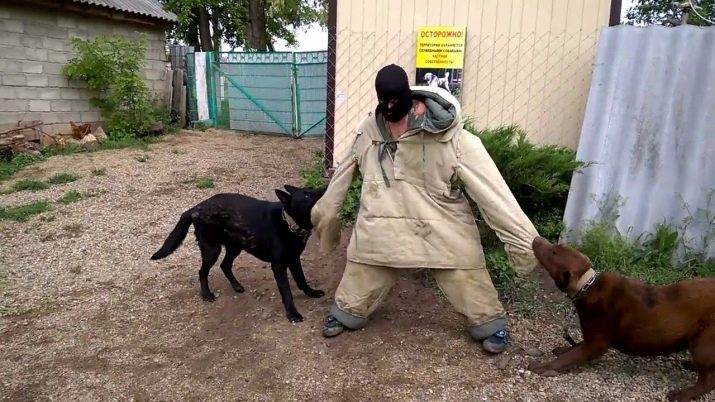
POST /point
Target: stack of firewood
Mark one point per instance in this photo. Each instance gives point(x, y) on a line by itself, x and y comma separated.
point(20, 137)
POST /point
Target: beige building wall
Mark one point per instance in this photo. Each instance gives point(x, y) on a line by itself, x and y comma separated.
point(527, 62)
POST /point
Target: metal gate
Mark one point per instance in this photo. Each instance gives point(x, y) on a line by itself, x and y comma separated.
point(260, 92)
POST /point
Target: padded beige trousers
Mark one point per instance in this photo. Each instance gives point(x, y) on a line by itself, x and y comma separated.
point(470, 291)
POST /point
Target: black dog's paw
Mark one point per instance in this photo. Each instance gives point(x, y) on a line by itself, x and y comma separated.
point(314, 293)
point(238, 288)
point(209, 297)
point(295, 317)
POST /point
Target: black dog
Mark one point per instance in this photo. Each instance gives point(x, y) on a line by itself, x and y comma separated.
point(274, 232)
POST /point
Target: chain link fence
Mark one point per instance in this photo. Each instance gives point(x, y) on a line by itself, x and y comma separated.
point(259, 92)
point(538, 81)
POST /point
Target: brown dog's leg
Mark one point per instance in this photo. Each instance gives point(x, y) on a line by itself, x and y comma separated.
point(561, 350)
point(579, 354)
point(705, 384)
point(702, 348)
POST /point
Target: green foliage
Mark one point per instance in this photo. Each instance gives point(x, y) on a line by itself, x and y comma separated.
point(62, 178)
point(539, 176)
point(665, 12)
point(30, 185)
point(351, 206)
point(24, 212)
point(204, 183)
point(549, 223)
point(9, 167)
point(71, 197)
point(499, 268)
point(228, 21)
point(651, 260)
point(314, 177)
point(313, 173)
point(111, 66)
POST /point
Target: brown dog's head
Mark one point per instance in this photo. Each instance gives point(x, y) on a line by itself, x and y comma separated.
point(564, 264)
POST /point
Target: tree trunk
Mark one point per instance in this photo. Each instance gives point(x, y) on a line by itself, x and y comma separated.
point(256, 35)
point(192, 36)
point(204, 31)
point(217, 31)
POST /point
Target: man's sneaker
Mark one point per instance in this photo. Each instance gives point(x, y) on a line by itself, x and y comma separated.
point(332, 327)
point(497, 342)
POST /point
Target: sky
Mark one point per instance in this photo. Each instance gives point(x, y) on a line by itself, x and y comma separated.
point(316, 38)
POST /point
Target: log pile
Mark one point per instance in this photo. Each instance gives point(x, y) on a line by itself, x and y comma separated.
point(28, 137)
point(20, 137)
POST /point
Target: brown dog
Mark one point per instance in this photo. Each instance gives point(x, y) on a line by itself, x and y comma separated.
point(632, 317)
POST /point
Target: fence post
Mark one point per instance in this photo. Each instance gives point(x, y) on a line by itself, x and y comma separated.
point(296, 100)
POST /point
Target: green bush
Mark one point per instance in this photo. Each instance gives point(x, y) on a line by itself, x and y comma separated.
point(314, 177)
point(539, 176)
point(111, 65)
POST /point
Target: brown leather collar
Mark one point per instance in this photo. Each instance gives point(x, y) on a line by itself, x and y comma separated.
point(294, 227)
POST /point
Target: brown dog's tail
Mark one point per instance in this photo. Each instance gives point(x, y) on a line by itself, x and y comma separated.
point(176, 237)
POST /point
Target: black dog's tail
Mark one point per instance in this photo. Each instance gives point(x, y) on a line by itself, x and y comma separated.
point(175, 237)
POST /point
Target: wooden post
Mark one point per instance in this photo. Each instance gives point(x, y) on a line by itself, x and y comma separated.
point(169, 89)
point(178, 82)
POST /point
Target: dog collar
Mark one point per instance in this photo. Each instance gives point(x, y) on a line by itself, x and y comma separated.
point(584, 283)
point(294, 227)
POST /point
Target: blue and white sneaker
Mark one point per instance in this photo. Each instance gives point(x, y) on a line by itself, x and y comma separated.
point(332, 327)
point(497, 342)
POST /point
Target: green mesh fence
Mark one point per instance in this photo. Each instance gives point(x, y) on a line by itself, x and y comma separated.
point(266, 92)
point(310, 72)
point(191, 108)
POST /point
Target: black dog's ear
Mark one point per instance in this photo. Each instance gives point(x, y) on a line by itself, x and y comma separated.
point(291, 189)
point(283, 197)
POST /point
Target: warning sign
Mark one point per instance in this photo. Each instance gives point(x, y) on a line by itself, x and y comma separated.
point(440, 57)
point(440, 47)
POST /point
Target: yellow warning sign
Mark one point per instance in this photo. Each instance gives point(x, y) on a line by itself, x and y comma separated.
point(440, 47)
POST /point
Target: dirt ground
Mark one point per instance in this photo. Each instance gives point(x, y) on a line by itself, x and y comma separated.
point(87, 315)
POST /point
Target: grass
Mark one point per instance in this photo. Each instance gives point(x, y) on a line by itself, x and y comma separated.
point(653, 259)
point(62, 178)
point(30, 185)
point(99, 172)
point(19, 162)
point(71, 197)
point(204, 183)
point(36, 185)
point(8, 168)
point(24, 212)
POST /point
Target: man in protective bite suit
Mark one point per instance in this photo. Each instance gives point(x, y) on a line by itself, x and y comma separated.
point(413, 153)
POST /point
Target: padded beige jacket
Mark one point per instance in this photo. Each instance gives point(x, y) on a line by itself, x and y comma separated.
point(410, 214)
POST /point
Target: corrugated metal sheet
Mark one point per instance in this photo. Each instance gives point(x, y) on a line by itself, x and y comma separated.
point(149, 8)
point(650, 127)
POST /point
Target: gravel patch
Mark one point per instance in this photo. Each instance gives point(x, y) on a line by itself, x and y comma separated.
point(87, 316)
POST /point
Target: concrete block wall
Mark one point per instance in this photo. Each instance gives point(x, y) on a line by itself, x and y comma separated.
point(34, 47)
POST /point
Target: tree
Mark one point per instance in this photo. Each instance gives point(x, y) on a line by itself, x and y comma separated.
point(250, 24)
point(670, 13)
